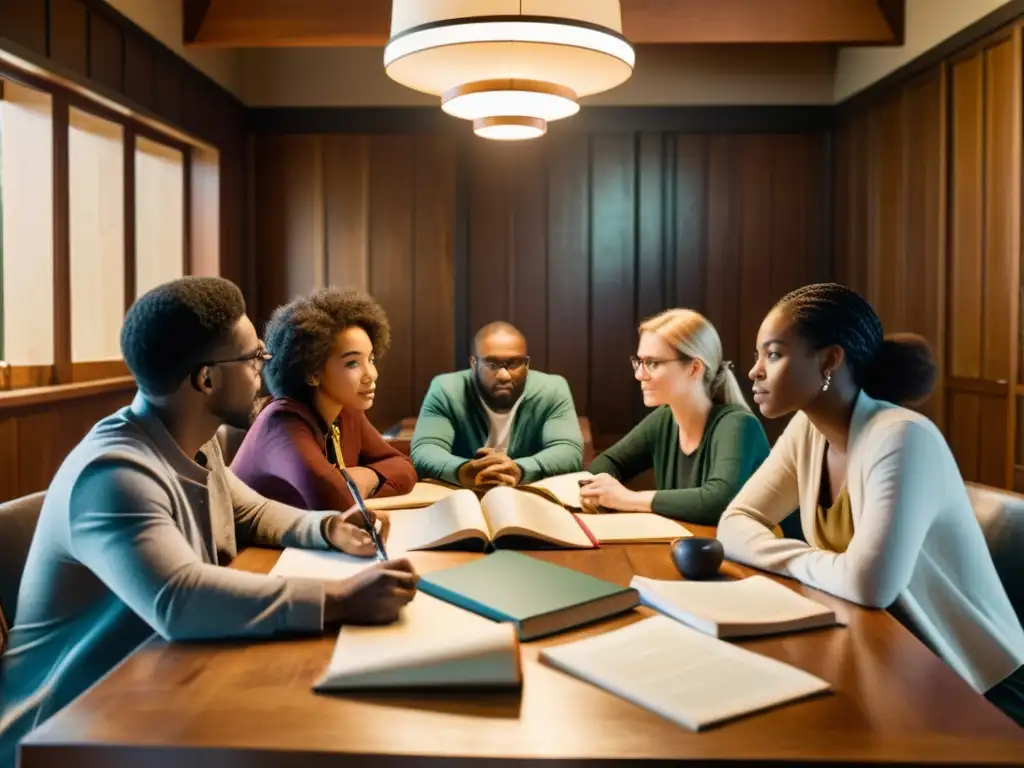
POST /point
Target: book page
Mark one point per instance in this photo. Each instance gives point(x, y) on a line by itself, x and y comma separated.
point(562, 488)
point(433, 643)
point(750, 606)
point(422, 495)
point(453, 518)
point(678, 673)
point(323, 565)
point(635, 527)
point(511, 513)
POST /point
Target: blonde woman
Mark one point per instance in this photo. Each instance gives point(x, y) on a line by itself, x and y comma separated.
point(702, 440)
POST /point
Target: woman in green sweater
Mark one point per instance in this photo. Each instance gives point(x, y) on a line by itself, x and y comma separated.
point(702, 440)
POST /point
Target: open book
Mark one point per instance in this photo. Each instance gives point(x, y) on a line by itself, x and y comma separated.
point(678, 673)
point(560, 489)
point(432, 644)
point(753, 606)
point(503, 517)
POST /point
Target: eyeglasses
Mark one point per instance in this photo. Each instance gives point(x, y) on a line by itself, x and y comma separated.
point(650, 364)
point(512, 365)
point(256, 359)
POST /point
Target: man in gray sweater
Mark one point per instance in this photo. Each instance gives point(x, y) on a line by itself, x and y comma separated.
point(143, 514)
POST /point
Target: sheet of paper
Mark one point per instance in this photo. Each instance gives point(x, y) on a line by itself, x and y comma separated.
point(566, 488)
point(422, 495)
point(319, 564)
point(619, 527)
point(678, 673)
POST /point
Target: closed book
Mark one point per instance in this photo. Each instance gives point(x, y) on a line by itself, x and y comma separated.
point(538, 597)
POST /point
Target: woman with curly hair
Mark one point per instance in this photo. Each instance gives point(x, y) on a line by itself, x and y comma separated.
point(323, 378)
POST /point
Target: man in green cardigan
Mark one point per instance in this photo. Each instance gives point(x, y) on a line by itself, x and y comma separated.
point(497, 423)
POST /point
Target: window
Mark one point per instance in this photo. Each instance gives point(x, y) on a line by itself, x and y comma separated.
point(159, 214)
point(72, 256)
point(26, 218)
point(96, 204)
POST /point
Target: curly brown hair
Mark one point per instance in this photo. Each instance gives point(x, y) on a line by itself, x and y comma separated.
point(300, 336)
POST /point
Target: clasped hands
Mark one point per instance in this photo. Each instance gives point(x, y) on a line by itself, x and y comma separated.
point(488, 469)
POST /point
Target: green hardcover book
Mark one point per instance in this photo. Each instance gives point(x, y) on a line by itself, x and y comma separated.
point(540, 598)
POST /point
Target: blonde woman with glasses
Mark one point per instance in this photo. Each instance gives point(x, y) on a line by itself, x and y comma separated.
point(702, 440)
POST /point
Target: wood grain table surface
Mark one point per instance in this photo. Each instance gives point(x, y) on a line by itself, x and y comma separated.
point(235, 704)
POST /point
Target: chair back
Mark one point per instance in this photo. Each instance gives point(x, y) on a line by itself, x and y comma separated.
point(230, 439)
point(1001, 515)
point(18, 520)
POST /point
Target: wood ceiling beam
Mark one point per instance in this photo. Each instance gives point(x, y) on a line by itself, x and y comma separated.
point(307, 23)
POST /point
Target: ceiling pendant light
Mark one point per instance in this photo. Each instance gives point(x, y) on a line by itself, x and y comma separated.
point(510, 66)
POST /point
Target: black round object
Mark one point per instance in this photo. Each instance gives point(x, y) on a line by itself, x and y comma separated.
point(696, 557)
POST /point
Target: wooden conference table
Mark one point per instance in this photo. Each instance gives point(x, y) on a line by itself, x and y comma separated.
point(230, 704)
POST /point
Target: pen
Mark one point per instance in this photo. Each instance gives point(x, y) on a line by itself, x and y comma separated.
point(381, 552)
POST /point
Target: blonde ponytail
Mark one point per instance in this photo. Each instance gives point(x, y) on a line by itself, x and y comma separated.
point(692, 335)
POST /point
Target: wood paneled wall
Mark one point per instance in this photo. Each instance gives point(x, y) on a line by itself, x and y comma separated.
point(374, 213)
point(37, 435)
point(574, 238)
point(927, 225)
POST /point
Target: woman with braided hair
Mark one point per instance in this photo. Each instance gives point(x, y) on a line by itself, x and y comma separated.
point(884, 510)
point(702, 440)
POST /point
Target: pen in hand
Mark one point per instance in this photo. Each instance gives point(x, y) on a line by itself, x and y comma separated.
point(370, 526)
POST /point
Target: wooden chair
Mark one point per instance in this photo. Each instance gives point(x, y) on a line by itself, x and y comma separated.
point(1001, 515)
point(230, 439)
point(18, 520)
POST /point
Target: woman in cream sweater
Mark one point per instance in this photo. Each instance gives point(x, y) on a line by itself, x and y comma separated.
point(882, 504)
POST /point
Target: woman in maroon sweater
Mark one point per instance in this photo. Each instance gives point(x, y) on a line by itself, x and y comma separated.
point(323, 377)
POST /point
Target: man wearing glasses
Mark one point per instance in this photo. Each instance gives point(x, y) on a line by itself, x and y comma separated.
point(497, 423)
point(142, 515)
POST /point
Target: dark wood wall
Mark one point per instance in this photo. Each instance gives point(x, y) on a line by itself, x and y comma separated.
point(574, 238)
point(94, 48)
point(927, 225)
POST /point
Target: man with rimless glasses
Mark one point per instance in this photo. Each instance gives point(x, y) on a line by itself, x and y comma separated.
point(497, 423)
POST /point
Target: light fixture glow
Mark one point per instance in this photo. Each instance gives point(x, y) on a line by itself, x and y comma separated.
point(509, 98)
point(530, 59)
point(509, 128)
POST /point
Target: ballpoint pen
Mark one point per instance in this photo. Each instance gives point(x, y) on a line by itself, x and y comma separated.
point(370, 526)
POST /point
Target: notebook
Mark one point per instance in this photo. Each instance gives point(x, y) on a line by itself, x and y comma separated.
point(538, 597)
point(432, 644)
point(680, 674)
point(504, 517)
point(753, 606)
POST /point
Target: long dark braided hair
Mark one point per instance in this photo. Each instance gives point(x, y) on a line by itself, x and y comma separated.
point(896, 367)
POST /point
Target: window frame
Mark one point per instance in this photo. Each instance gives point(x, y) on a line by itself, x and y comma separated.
point(64, 371)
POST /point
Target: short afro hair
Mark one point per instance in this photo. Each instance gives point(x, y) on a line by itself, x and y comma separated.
point(300, 336)
point(172, 329)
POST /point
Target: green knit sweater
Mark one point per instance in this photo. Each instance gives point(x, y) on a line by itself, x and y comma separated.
point(696, 487)
point(452, 426)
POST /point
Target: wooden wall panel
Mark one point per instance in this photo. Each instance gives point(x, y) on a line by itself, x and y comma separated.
point(941, 237)
point(346, 186)
point(24, 22)
point(392, 189)
point(373, 213)
point(689, 204)
point(890, 215)
point(35, 439)
point(568, 234)
point(433, 275)
point(106, 53)
point(612, 281)
point(68, 34)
